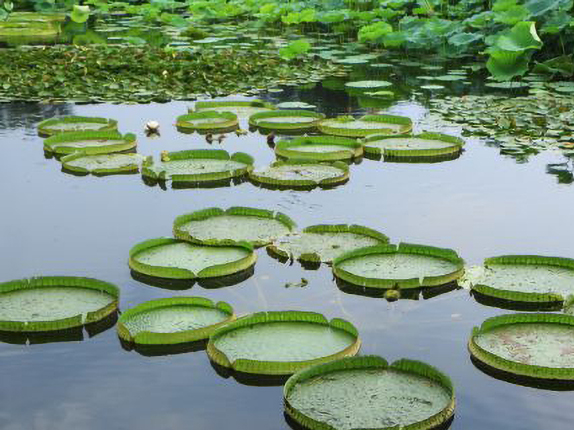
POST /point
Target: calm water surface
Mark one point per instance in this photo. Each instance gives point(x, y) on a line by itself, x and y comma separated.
point(481, 204)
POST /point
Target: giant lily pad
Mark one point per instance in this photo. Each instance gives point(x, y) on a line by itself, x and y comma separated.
point(103, 164)
point(368, 393)
point(319, 148)
point(286, 120)
point(173, 320)
point(324, 243)
point(216, 226)
point(406, 266)
point(368, 124)
point(52, 126)
point(176, 259)
point(536, 345)
point(423, 146)
point(301, 174)
point(89, 142)
point(281, 343)
point(242, 109)
point(526, 279)
point(55, 303)
point(207, 121)
point(198, 165)
point(359, 87)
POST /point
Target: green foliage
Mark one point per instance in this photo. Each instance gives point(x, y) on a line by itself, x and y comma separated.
point(295, 49)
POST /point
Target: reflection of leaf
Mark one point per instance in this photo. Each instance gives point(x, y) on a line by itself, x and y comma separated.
point(521, 37)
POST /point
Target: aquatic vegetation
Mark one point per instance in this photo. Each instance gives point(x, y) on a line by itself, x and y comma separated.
point(197, 166)
point(240, 108)
point(102, 164)
point(147, 73)
point(360, 87)
point(176, 259)
point(424, 146)
point(52, 126)
point(295, 105)
point(208, 121)
point(215, 226)
point(366, 125)
point(326, 242)
point(301, 174)
point(51, 303)
point(533, 279)
point(286, 120)
point(281, 342)
point(319, 148)
point(404, 266)
point(367, 392)
point(173, 320)
point(89, 142)
point(535, 345)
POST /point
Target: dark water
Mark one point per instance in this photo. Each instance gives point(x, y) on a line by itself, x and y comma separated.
point(481, 204)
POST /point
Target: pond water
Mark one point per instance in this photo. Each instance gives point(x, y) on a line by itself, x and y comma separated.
point(481, 204)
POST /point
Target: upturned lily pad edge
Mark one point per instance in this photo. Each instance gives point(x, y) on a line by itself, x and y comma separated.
point(405, 123)
point(456, 146)
point(45, 130)
point(262, 179)
point(371, 362)
point(54, 144)
point(350, 148)
point(258, 120)
point(228, 120)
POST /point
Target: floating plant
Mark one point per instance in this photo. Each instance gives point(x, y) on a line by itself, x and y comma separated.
point(173, 320)
point(420, 146)
point(215, 226)
point(208, 121)
point(176, 259)
point(198, 165)
point(51, 303)
point(368, 124)
point(295, 105)
point(52, 126)
point(534, 345)
point(281, 343)
point(517, 280)
point(89, 142)
point(359, 87)
point(242, 109)
point(102, 164)
point(320, 148)
point(286, 120)
point(324, 242)
point(406, 266)
point(368, 393)
point(301, 174)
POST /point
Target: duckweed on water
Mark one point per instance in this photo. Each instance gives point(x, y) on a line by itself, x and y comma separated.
point(280, 343)
point(173, 320)
point(537, 345)
point(367, 392)
point(324, 243)
point(176, 259)
point(214, 226)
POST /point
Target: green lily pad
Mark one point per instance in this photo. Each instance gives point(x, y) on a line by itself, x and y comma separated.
point(526, 279)
point(405, 266)
point(424, 145)
point(207, 121)
point(281, 120)
point(301, 174)
point(325, 242)
point(295, 105)
point(535, 345)
point(242, 109)
point(366, 392)
point(52, 303)
point(176, 259)
point(173, 320)
point(198, 165)
point(214, 226)
point(52, 126)
point(281, 343)
point(368, 85)
point(89, 142)
point(319, 148)
point(368, 124)
point(103, 164)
